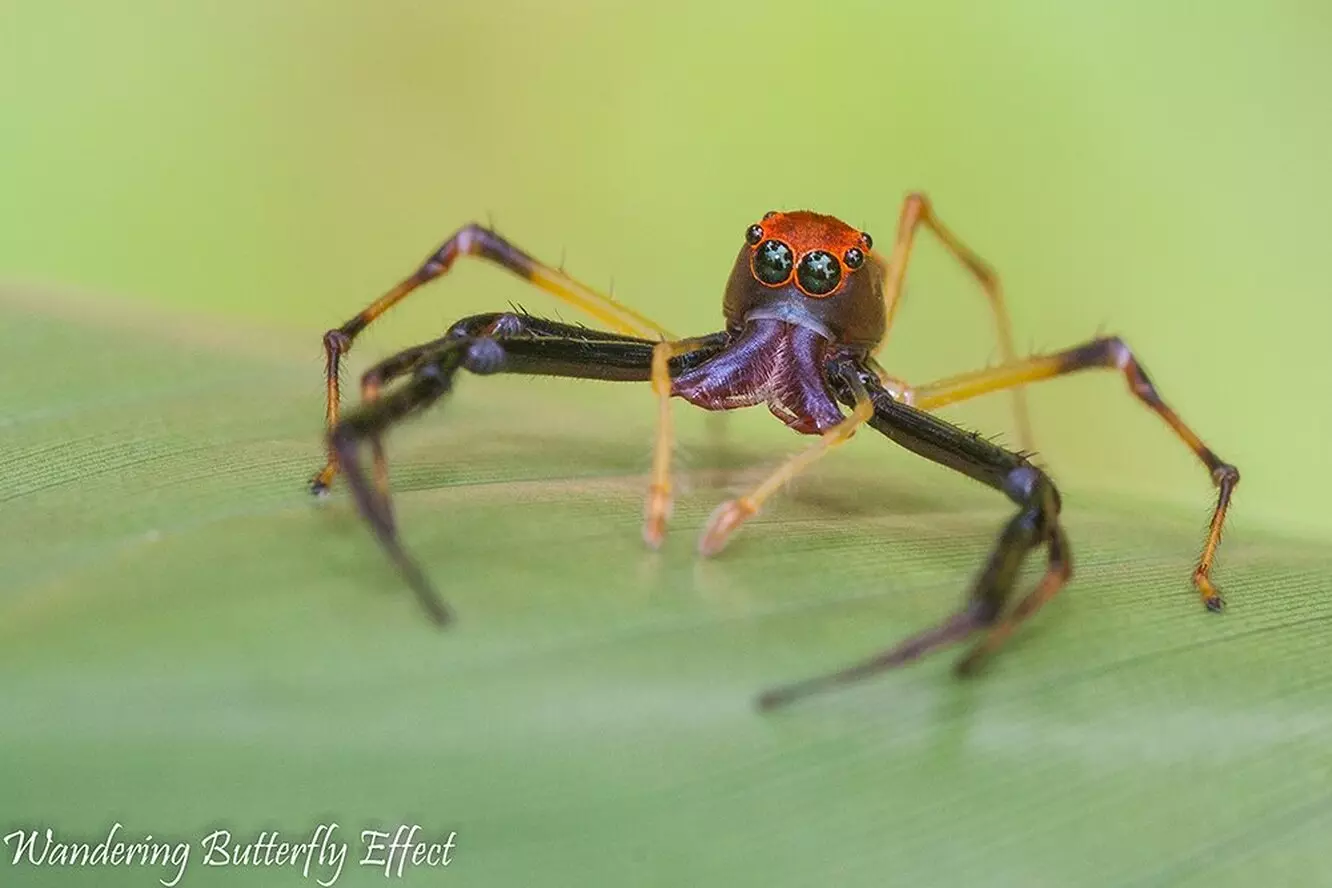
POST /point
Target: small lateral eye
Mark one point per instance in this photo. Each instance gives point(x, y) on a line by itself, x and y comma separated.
point(819, 273)
point(773, 262)
point(754, 234)
point(854, 258)
point(867, 240)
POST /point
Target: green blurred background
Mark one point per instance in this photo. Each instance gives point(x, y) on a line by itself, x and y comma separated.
point(190, 194)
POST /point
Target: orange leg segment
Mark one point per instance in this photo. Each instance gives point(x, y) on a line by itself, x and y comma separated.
point(657, 511)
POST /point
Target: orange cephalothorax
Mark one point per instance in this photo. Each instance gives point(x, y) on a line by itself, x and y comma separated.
point(820, 251)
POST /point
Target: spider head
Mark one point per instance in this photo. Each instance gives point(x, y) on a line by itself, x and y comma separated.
point(817, 254)
point(808, 268)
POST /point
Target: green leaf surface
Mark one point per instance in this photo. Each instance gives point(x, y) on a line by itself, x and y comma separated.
point(187, 641)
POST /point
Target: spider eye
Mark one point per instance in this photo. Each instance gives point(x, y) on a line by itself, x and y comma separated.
point(819, 273)
point(772, 262)
point(754, 234)
point(867, 240)
point(854, 258)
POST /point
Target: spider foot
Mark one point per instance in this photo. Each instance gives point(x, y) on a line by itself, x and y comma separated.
point(726, 520)
point(656, 513)
point(1211, 596)
point(322, 480)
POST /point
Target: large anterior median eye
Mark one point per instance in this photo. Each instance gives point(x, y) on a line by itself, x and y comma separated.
point(772, 262)
point(819, 273)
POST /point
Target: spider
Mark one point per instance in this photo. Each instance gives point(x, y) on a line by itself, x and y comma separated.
point(808, 305)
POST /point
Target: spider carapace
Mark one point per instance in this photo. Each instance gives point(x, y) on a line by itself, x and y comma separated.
point(807, 306)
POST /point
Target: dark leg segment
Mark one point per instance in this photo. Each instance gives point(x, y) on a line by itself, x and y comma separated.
point(1035, 523)
point(372, 382)
point(1056, 576)
point(519, 344)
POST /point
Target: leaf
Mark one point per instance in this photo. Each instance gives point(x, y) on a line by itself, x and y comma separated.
point(190, 642)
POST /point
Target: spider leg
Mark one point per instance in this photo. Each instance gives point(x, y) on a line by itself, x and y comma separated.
point(657, 510)
point(916, 212)
point(515, 344)
point(370, 421)
point(1035, 523)
point(372, 383)
point(1108, 353)
point(471, 240)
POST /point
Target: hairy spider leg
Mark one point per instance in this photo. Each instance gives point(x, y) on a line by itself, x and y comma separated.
point(471, 240)
point(520, 345)
point(1107, 353)
point(917, 211)
point(1035, 523)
